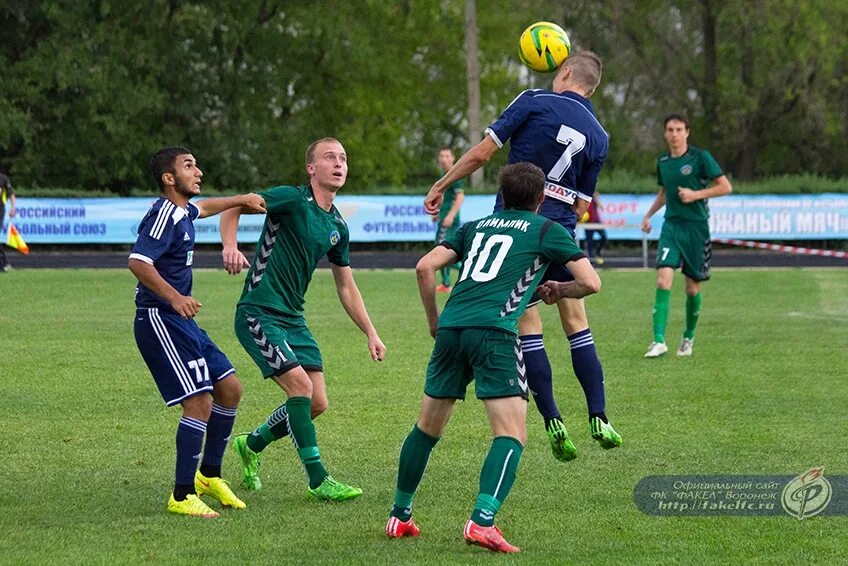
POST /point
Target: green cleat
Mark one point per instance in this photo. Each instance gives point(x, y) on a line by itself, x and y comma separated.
point(331, 490)
point(249, 461)
point(604, 433)
point(562, 447)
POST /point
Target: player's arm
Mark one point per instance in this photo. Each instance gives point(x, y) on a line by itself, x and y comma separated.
point(250, 203)
point(11, 202)
point(454, 209)
point(234, 260)
point(146, 273)
point(439, 257)
point(720, 187)
point(586, 282)
point(472, 160)
point(351, 300)
point(658, 203)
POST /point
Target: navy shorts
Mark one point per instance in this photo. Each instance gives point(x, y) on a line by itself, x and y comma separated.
point(183, 359)
point(554, 272)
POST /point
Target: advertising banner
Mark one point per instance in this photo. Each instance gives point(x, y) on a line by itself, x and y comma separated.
point(402, 218)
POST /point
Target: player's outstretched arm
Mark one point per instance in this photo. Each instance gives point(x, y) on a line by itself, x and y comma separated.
point(146, 273)
point(234, 260)
point(351, 300)
point(425, 271)
point(472, 160)
point(250, 203)
point(586, 282)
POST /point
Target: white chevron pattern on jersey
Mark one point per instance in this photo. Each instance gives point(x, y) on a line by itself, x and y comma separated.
point(521, 287)
point(258, 270)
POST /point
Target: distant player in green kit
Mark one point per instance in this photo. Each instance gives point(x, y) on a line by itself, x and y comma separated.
point(303, 225)
point(687, 177)
point(448, 217)
point(504, 257)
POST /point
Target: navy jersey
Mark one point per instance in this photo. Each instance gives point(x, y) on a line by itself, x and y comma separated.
point(166, 241)
point(561, 135)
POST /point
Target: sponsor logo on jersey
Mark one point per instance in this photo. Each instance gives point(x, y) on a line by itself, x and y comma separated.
point(686, 170)
point(335, 237)
point(190, 258)
point(560, 193)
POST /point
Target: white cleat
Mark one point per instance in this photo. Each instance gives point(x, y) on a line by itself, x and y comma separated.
point(657, 349)
point(685, 348)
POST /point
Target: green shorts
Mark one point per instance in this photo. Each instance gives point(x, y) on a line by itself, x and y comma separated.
point(491, 358)
point(686, 244)
point(276, 343)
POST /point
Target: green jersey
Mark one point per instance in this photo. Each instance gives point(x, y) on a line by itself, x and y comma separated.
point(450, 196)
point(503, 259)
point(694, 170)
point(297, 233)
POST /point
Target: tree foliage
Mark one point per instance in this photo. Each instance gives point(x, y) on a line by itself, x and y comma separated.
point(90, 88)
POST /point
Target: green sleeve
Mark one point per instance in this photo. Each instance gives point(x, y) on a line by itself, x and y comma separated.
point(459, 186)
point(558, 245)
point(279, 199)
point(456, 240)
point(340, 253)
point(709, 166)
point(659, 175)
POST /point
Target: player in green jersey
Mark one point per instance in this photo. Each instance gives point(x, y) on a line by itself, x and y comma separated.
point(448, 217)
point(687, 177)
point(302, 226)
point(504, 257)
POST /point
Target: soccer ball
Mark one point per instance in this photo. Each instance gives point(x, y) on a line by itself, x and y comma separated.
point(543, 47)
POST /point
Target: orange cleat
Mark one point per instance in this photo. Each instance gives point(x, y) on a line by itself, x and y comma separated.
point(443, 289)
point(487, 537)
point(396, 528)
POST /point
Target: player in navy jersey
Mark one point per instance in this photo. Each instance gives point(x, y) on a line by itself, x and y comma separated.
point(187, 366)
point(556, 130)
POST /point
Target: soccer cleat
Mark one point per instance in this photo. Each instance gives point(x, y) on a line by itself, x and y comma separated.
point(218, 489)
point(487, 537)
point(685, 348)
point(332, 490)
point(396, 528)
point(443, 289)
point(604, 433)
point(656, 349)
point(191, 505)
point(250, 461)
point(562, 446)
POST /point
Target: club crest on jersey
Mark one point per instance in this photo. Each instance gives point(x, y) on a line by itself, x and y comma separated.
point(335, 237)
point(686, 170)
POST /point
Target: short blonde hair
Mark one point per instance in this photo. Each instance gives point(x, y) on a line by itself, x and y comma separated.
point(310, 151)
point(586, 69)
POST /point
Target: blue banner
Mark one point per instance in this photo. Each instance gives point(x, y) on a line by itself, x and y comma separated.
point(402, 218)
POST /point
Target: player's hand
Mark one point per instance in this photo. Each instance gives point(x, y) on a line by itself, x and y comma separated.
point(687, 196)
point(186, 307)
point(377, 348)
point(12, 212)
point(548, 292)
point(253, 204)
point(646, 225)
point(434, 217)
point(234, 261)
point(433, 327)
point(433, 201)
point(448, 221)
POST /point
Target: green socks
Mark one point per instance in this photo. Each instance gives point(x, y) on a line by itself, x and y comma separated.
point(693, 311)
point(661, 314)
point(275, 428)
point(413, 460)
point(446, 278)
point(496, 479)
point(304, 438)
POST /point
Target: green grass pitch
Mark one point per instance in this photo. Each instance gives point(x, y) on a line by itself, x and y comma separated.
point(87, 445)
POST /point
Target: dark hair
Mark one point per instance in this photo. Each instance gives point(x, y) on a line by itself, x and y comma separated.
point(310, 151)
point(522, 185)
point(446, 148)
point(163, 162)
point(678, 117)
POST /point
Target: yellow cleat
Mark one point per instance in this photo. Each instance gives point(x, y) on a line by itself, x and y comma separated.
point(219, 489)
point(191, 505)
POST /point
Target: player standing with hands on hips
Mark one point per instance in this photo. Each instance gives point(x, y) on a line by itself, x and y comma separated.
point(687, 177)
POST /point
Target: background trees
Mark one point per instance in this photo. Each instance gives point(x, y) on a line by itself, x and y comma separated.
point(88, 89)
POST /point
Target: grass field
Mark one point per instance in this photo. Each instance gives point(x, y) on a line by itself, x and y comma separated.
point(87, 445)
